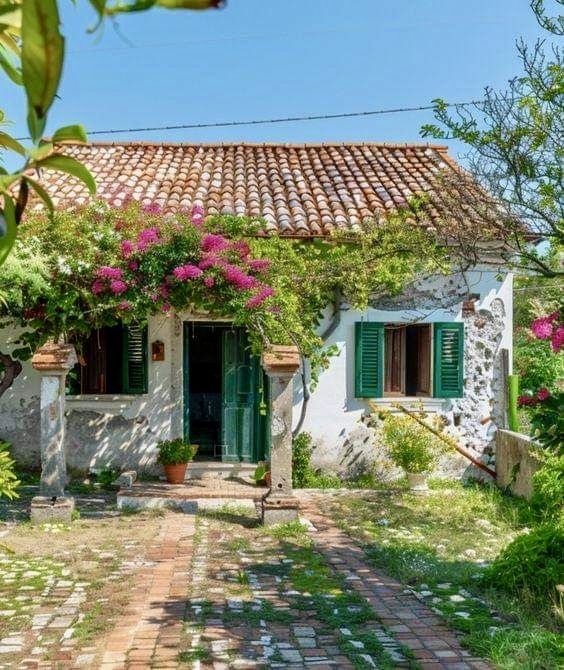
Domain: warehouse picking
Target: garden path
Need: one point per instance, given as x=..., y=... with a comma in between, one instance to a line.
x=221, y=592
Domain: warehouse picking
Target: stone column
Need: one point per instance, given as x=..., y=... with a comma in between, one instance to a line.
x=53, y=361
x=280, y=364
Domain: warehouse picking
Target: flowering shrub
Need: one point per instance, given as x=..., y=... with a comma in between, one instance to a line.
x=101, y=265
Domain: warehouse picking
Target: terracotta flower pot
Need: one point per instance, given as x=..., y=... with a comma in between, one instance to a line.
x=175, y=473
x=417, y=481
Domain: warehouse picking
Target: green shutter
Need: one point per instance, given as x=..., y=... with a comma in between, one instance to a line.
x=369, y=359
x=448, y=361
x=134, y=373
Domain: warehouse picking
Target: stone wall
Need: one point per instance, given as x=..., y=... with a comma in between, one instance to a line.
x=516, y=462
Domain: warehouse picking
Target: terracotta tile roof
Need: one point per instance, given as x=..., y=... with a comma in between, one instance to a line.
x=298, y=189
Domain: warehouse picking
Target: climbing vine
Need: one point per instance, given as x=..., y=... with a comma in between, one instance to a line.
x=76, y=271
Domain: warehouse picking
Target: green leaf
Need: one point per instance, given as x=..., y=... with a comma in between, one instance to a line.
x=11, y=70
x=71, y=166
x=72, y=134
x=6, y=180
x=8, y=227
x=35, y=124
x=41, y=152
x=42, y=53
x=99, y=6
x=41, y=192
x=10, y=143
x=11, y=15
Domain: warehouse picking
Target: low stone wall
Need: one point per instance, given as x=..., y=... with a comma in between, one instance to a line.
x=516, y=462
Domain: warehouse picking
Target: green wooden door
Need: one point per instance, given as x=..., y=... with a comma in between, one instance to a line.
x=239, y=398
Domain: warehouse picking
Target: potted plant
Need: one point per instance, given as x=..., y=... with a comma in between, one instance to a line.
x=261, y=474
x=412, y=447
x=174, y=456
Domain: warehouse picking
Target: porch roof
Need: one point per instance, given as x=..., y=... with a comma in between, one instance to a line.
x=298, y=189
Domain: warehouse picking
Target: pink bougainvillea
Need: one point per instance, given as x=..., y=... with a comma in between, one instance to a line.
x=127, y=248
x=234, y=275
x=558, y=338
x=117, y=286
x=259, y=265
x=242, y=248
x=259, y=297
x=214, y=243
x=209, y=282
x=124, y=305
x=107, y=272
x=185, y=272
x=197, y=215
x=133, y=266
x=527, y=400
x=210, y=261
x=542, y=327
x=543, y=394
x=147, y=238
x=98, y=286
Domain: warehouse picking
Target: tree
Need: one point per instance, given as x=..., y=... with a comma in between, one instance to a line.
x=516, y=155
x=32, y=51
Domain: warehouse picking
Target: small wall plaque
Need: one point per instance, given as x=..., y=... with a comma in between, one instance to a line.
x=157, y=351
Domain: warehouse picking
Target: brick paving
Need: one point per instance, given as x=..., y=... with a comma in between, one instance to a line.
x=218, y=593
x=411, y=622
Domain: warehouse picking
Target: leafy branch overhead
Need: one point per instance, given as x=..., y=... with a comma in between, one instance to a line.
x=32, y=53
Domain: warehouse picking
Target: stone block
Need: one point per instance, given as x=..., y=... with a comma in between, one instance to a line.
x=48, y=510
x=125, y=479
x=279, y=509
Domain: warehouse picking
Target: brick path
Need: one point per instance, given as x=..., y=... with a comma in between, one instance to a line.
x=149, y=632
x=411, y=622
x=186, y=609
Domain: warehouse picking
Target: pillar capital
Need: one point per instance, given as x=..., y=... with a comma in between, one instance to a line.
x=281, y=360
x=54, y=359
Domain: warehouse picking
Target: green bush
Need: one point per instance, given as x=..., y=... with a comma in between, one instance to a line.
x=530, y=566
x=547, y=423
x=535, y=363
x=303, y=475
x=411, y=446
x=175, y=452
x=547, y=501
x=8, y=480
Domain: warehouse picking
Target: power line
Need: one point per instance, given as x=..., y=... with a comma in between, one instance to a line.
x=286, y=119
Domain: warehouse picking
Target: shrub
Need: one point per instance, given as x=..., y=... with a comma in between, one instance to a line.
x=303, y=475
x=412, y=447
x=8, y=479
x=175, y=452
x=547, y=423
x=548, y=490
x=531, y=565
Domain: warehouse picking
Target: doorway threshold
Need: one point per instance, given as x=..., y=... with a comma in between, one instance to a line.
x=219, y=470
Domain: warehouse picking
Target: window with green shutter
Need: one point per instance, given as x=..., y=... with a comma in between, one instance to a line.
x=369, y=359
x=134, y=356
x=448, y=360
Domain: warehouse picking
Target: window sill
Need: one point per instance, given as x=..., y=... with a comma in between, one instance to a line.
x=411, y=402
x=103, y=402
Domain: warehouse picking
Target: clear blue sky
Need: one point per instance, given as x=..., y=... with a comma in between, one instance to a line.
x=270, y=58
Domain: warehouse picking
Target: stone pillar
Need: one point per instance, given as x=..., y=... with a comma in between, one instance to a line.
x=53, y=361
x=280, y=364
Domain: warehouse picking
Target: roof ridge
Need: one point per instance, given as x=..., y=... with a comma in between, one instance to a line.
x=288, y=145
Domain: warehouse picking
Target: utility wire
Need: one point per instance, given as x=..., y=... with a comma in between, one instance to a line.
x=286, y=119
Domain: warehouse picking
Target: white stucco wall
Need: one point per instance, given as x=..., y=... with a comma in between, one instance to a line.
x=123, y=431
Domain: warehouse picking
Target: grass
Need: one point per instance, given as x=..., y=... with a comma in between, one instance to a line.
x=439, y=544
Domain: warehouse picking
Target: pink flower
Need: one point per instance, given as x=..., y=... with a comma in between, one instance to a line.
x=238, y=278
x=155, y=297
x=242, y=247
x=152, y=208
x=185, y=272
x=542, y=327
x=124, y=305
x=164, y=291
x=197, y=215
x=209, y=282
x=127, y=248
x=148, y=237
x=558, y=338
x=166, y=307
x=543, y=394
x=259, y=297
x=106, y=272
x=214, y=243
x=117, y=286
x=259, y=265
x=526, y=400
x=210, y=261
x=98, y=286
x=133, y=266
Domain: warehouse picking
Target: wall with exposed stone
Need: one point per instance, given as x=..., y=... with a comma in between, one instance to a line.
x=122, y=431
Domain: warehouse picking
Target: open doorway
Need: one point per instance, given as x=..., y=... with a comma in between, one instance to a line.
x=205, y=388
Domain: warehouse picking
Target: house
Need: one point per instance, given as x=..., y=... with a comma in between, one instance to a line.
x=439, y=345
